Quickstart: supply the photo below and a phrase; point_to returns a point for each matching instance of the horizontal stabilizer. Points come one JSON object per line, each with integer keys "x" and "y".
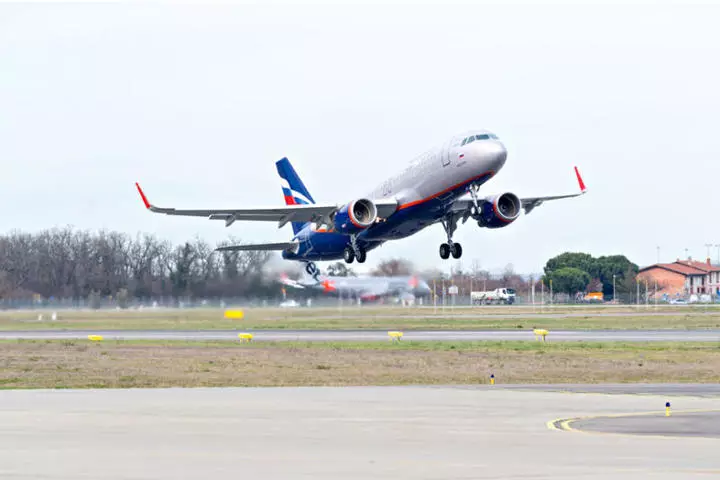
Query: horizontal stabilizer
{"x": 258, "y": 247}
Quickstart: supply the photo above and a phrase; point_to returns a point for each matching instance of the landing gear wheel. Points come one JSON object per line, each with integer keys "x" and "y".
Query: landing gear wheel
{"x": 360, "y": 255}
{"x": 444, "y": 251}
{"x": 456, "y": 250}
{"x": 348, "y": 255}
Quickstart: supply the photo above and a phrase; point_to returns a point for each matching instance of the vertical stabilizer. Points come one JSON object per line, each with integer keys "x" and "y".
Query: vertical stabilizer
{"x": 293, "y": 189}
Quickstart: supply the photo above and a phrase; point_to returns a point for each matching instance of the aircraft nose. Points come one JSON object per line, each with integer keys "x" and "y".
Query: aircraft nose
{"x": 496, "y": 154}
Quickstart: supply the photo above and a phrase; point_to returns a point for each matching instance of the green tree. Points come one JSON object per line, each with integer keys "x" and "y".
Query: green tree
{"x": 622, "y": 268}
{"x": 627, "y": 283}
{"x": 581, "y": 261}
{"x": 601, "y": 268}
{"x": 568, "y": 280}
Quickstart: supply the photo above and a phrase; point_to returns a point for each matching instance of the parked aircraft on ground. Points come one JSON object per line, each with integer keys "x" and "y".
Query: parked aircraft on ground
{"x": 440, "y": 186}
{"x": 363, "y": 287}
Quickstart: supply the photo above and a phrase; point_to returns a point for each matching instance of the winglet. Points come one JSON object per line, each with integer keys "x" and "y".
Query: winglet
{"x": 583, "y": 189}
{"x": 142, "y": 195}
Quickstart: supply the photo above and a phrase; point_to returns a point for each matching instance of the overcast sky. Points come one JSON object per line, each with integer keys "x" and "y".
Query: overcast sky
{"x": 198, "y": 102}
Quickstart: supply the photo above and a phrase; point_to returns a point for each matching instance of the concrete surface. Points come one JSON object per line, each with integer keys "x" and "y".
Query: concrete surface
{"x": 376, "y": 335}
{"x": 334, "y": 433}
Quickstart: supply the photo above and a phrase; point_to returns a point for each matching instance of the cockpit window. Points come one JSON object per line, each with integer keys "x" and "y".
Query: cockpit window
{"x": 482, "y": 136}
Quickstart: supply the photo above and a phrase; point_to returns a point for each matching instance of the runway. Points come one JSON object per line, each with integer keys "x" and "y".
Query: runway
{"x": 373, "y": 335}
{"x": 330, "y": 433}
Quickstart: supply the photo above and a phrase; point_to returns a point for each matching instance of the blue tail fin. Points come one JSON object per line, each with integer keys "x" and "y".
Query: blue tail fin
{"x": 293, "y": 189}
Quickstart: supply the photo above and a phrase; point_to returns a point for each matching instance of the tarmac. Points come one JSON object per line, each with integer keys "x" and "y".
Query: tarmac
{"x": 374, "y": 335}
{"x": 683, "y": 424}
{"x": 438, "y": 432}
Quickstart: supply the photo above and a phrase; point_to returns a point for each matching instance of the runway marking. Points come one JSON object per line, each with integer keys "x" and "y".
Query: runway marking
{"x": 564, "y": 424}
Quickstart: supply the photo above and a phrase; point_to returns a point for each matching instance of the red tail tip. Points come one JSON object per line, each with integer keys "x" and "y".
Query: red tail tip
{"x": 142, "y": 195}
{"x": 580, "y": 180}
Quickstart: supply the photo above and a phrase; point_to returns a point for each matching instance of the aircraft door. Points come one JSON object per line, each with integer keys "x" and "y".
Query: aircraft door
{"x": 445, "y": 154}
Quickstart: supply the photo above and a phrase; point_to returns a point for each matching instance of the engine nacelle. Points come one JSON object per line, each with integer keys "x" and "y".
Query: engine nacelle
{"x": 355, "y": 216}
{"x": 499, "y": 211}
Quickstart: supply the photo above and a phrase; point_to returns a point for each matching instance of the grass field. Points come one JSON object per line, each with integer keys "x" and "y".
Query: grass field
{"x": 461, "y": 318}
{"x": 82, "y": 364}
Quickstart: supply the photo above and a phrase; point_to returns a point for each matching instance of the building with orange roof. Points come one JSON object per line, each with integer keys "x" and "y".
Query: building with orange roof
{"x": 682, "y": 278}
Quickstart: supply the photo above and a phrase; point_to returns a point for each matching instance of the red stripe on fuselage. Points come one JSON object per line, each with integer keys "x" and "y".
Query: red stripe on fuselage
{"x": 418, "y": 202}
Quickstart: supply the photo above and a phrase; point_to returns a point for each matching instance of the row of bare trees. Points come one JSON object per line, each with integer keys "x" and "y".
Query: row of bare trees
{"x": 68, "y": 263}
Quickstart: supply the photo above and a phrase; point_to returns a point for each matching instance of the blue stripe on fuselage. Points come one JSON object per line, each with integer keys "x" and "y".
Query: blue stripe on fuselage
{"x": 407, "y": 221}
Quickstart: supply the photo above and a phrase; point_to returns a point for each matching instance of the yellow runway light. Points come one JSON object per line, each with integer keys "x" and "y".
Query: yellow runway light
{"x": 234, "y": 314}
{"x": 395, "y": 336}
{"x": 540, "y": 332}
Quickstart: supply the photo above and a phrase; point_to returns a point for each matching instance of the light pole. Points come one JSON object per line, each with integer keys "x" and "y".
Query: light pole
{"x": 614, "y": 297}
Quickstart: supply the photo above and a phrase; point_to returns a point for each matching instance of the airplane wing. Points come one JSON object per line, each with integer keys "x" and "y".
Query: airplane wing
{"x": 465, "y": 202}
{"x": 282, "y": 214}
{"x": 530, "y": 203}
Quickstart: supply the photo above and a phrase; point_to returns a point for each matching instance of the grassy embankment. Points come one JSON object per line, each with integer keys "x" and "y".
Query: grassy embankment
{"x": 83, "y": 364}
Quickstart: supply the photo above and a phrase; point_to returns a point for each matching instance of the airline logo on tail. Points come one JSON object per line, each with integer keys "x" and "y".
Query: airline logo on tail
{"x": 293, "y": 188}
{"x": 293, "y": 197}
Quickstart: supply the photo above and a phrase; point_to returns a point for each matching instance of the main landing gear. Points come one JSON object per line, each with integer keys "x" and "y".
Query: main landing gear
{"x": 450, "y": 248}
{"x": 354, "y": 252}
{"x": 447, "y": 249}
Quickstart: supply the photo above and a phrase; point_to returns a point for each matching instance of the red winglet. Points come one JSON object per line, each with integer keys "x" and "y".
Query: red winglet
{"x": 580, "y": 180}
{"x": 142, "y": 195}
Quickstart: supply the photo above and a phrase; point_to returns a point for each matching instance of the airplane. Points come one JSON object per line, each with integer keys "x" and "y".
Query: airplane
{"x": 441, "y": 186}
{"x": 365, "y": 288}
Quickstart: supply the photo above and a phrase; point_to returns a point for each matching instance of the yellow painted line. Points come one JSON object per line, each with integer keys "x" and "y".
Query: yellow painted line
{"x": 564, "y": 424}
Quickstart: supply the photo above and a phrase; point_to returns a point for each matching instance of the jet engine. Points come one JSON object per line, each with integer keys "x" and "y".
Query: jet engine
{"x": 355, "y": 216}
{"x": 499, "y": 211}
